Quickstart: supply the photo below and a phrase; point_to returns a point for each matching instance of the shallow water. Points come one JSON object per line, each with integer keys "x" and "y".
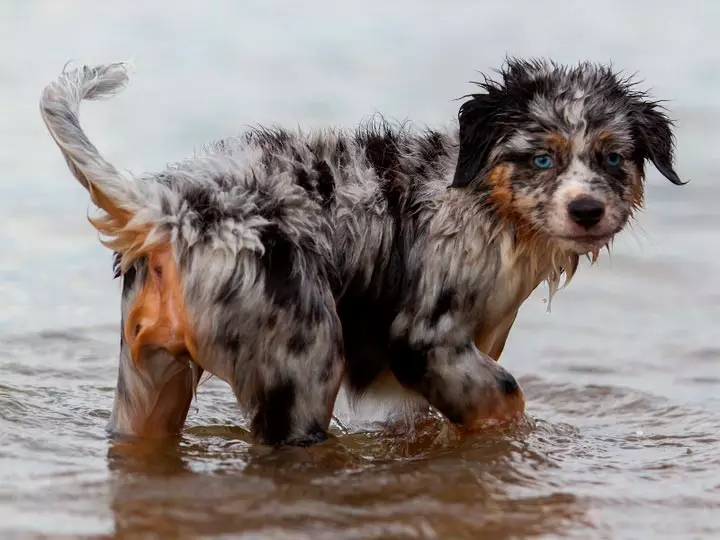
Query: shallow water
{"x": 621, "y": 379}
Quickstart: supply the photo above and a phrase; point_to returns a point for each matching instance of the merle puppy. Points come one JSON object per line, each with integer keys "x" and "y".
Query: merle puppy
{"x": 286, "y": 262}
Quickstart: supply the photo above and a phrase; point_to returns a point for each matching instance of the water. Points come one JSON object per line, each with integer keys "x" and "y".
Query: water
{"x": 621, "y": 379}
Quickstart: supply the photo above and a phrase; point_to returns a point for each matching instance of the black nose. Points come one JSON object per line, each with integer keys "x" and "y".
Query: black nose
{"x": 586, "y": 212}
{"x": 507, "y": 383}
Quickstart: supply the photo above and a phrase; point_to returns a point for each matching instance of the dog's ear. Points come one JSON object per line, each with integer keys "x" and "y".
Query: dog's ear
{"x": 479, "y": 131}
{"x": 654, "y": 139}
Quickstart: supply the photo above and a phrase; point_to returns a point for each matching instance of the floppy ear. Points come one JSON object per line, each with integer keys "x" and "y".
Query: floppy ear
{"x": 479, "y": 131}
{"x": 655, "y": 140}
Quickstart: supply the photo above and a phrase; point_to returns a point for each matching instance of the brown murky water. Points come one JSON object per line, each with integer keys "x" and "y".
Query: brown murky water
{"x": 622, "y": 379}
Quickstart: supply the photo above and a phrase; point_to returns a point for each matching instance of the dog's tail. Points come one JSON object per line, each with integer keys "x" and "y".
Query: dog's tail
{"x": 125, "y": 228}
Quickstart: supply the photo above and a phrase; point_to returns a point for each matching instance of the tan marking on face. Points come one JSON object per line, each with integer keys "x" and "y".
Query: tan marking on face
{"x": 559, "y": 144}
{"x": 603, "y": 141}
{"x": 157, "y": 317}
{"x": 512, "y": 207}
{"x": 500, "y": 192}
{"x": 605, "y": 136}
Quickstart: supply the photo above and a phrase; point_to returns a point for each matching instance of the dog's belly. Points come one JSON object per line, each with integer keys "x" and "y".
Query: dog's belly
{"x": 366, "y": 314}
{"x": 365, "y": 336}
{"x": 384, "y": 400}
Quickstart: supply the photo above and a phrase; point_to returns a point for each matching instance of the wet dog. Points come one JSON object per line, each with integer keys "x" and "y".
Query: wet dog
{"x": 286, "y": 263}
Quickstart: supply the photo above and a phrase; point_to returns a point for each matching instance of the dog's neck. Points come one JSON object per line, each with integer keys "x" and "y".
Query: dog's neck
{"x": 506, "y": 266}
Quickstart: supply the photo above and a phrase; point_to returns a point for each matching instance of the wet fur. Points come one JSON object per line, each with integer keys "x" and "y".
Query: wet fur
{"x": 311, "y": 257}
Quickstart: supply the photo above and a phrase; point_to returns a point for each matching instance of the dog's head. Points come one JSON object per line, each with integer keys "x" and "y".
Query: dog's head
{"x": 560, "y": 151}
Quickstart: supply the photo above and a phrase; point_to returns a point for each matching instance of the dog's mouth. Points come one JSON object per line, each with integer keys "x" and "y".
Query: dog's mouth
{"x": 587, "y": 243}
{"x": 590, "y": 239}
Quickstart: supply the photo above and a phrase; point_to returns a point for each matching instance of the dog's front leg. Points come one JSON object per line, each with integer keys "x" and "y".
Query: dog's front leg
{"x": 464, "y": 384}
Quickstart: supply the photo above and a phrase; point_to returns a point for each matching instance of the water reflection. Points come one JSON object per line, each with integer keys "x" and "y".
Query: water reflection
{"x": 387, "y": 485}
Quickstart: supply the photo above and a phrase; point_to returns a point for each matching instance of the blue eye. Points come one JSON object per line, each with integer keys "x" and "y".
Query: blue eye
{"x": 543, "y": 162}
{"x": 613, "y": 159}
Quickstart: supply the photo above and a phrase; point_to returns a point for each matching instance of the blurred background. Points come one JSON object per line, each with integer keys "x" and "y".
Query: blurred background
{"x": 621, "y": 379}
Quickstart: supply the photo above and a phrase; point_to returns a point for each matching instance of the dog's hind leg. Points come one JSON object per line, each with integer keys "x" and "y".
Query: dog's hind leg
{"x": 156, "y": 382}
{"x": 297, "y": 382}
{"x": 276, "y": 338}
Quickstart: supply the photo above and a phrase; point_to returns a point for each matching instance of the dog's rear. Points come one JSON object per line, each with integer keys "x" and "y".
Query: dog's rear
{"x": 59, "y": 106}
{"x": 128, "y": 212}
{"x": 155, "y": 380}
{"x": 252, "y": 285}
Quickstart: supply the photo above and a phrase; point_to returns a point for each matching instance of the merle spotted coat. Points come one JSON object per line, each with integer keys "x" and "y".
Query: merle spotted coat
{"x": 309, "y": 258}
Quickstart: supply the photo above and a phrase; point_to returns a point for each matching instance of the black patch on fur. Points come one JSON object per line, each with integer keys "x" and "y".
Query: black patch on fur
{"x": 443, "y": 305}
{"x": 227, "y": 292}
{"x": 282, "y": 284}
{"x": 340, "y": 154}
{"x": 408, "y": 364}
{"x": 128, "y": 279}
{"x": 366, "y": 314}
{"x": 367, "y": 309}
{"x": 335, "y": 358}
{"x": 273, "y": 421}
{"x": 303, "y": 179}
{"x": 325, "y": 181}
{"x": 229, "y": 334}
{"x": 200, "y": 200}
{"x": 483, "y": 120}
{"x": 507, "y": 383}
{"x": 652, "y": 131}
{"x": 365, "y": 337}
{"x": 394, "y": 197}
{"x": 298, "y": 344}
{"x": 432, "y": 148}
{"x": 381, "y": 150}
{"x": 318, "y": 182}
{"x": 329, "y": 365}
{"x": 269, "y": 138}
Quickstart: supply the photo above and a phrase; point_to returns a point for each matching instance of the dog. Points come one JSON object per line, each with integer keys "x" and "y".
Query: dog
{"x": 287, "y": 263}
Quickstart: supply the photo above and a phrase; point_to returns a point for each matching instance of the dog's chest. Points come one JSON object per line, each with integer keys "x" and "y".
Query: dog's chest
{"x": 516, "y": 279}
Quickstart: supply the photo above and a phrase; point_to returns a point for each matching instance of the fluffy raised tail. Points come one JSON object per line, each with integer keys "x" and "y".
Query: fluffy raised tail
{"x": 118, "y": 197}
